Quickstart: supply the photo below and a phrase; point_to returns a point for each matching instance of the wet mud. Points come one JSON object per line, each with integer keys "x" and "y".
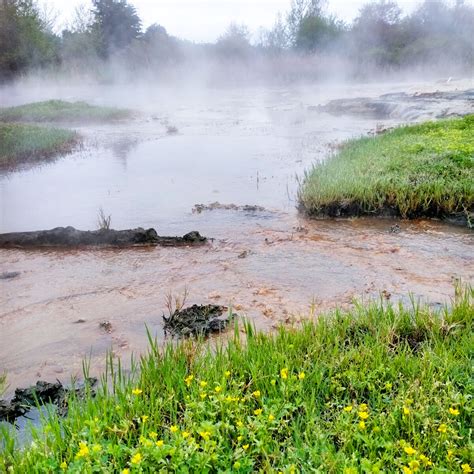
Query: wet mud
{"x": 43, "y": 393}
{"x": 198, "y": 320}
{"x": 273, "y": 267}
{"x": 64, "y": 237}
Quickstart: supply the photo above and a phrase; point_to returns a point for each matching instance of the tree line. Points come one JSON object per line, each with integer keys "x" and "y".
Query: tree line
{"x": 380, "y": 37}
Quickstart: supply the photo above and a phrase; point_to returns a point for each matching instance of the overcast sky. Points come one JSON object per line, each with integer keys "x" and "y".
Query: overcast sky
{"x": 206, "y": 20}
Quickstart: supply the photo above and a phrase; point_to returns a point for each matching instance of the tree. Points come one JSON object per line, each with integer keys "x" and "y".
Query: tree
{"x": 317, "y": 32}
{"x": 235, "y": 42}
{"x": 116, "y": 24}
{"x": 301, "y": 9}
{"x": 25, "y": 38}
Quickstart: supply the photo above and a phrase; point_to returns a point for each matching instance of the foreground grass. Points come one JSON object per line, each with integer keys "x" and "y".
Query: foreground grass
{"x": 414, "y": 171}
{"x": 61, "y": 111}
{"x": 27, "y": 143}
{"x": 375, "y": 390}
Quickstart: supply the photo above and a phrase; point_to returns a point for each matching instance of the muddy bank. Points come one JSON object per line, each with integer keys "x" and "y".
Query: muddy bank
{"x": 404, "y": 106}
{"x": 347, "y": 209}
{"x": 71, "y": 237}
{"x": 43, "y": 393}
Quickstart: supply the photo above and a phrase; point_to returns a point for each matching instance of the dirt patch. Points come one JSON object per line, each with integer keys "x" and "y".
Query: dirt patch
{"x": 42, "y": 393}
{"x": 198, "y": 320}
{"x": 71, "y": 237}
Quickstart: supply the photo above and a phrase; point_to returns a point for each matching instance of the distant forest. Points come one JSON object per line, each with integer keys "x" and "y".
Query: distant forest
{"x": 106, "y": 36}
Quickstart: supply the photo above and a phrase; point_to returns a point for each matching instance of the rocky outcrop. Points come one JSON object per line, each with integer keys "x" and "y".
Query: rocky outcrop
{"x": 71, "y": 237}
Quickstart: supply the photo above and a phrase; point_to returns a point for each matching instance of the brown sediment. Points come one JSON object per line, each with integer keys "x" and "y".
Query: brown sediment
{"x": 296, "y": 269}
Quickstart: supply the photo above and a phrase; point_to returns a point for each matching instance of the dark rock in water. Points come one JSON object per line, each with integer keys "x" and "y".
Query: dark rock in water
{"x": 71, "y": 237}
{"x": 42, "y": 393}
{"x": 9, "y": 275}
{"x": 198, "y": 320}
{"x": 395, "y": 229}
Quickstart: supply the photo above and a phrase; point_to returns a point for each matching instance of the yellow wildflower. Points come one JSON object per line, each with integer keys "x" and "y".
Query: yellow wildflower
{"x": 126, "y": 471}
{"x": 348, "y": 408}
{"x": 466, "y": 468}
{"x": 301, "y": 375}
{"x": 409, "y": 450}
{"x": 144, "y": 418}
{"x": 136, "y": 458}
{"x": 237, "y": 465}
{"x": 205, "y": 435}
{"x": 388, "y": 386}
{"x": 186, "y": 434}
{"x": 159, "y": 443}
{"x": 97, "y": 448}
{"x": 414, "y": 465}
{"x": 227, "y": 373}
{"x": 284, "y": 373}
{"x": 189, "y": 379}
{"x": 218, "y": 389}
{"x": 449, "y": 454}
{"x": 273, "y": 382}
{"x": 406, "y": 410}
{"x": 258, "y": 411}
{"x": 454, "y": 411}
{"x": 407, "y": 470}
{"x": 363, "y": 407}
{"x": 239, "y": 424}
{"x": 442, "y": 428}
{"x": 63, "y": 465}
{"x": 174, "y": 428}
{"x": 153, "y": 435}
{"x": 271, "y": 417}
{"x": 240, "y": 438}
{"x": 256, "y": 394}
{"x": 425, "y": 460}
{"x": 137, "y": 391}
{"x": 203, "y": 383}
{"x": 203, "y": 395}
{"x": 246, "y": 446}
{"x": 363, "y": 414}
{"x": 362, "y": 425}
{"x": 83, "y": 450}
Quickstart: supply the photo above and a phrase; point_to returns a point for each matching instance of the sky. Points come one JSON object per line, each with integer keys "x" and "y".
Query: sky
{"x": 206, "y": 20}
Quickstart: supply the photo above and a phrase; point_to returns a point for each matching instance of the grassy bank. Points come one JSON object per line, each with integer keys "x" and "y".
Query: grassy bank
{"x": 375, "y": 390}
{"x": 27, "y": 143}
{"x": 61, "y": 111}
{"x": 424, "y": 170}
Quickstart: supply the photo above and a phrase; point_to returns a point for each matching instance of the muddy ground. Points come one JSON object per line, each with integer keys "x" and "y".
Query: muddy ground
{"x": 266, "y": 262}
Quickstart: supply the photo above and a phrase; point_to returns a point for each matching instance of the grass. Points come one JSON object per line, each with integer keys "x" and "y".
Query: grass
{"x": 61, "y": 111}
{"x": 378, "y": 389}
{"x": 415, "y": 171}
{"x": 21, "y": 143}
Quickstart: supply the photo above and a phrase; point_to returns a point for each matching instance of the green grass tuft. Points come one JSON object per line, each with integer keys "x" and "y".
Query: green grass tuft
{"x": 424, "y": 170}
{"x": 378, "y": 389}
{"x": 27, "y": 143}
{"x": 61, "y": 111}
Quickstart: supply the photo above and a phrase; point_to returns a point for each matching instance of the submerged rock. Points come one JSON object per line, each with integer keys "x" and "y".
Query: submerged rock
{"x": 198, "y": 208}
{"x": 71, "y": 237}
{"x": 42, "y": 393}
{"x": 9, "y": 275}
{"x": 198, "y": 320}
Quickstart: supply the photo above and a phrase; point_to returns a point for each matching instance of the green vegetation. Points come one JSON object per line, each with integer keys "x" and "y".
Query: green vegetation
{"x": 378, "y": 389}
{"x": 61, "y": 111}
{"x": 25, "y": 143}
{"x": 422, "y": 170}
{"x": 3, "y": 384}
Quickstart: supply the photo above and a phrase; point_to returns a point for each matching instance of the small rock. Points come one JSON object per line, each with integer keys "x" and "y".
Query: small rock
{"x": 9, "y": 275}
{"x": 80, "y": 321}
{"x": 395, "y": 229}
{"x": 106, "y": 326}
